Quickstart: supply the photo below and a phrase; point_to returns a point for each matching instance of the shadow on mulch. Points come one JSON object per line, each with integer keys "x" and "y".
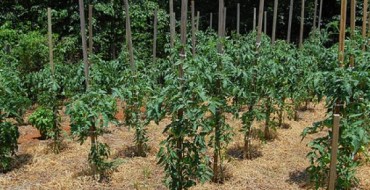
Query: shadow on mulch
{"x": 18, "y": 162}
{"x": 286, "y": 126}
{"x": 130, "y": 152}
{"x": 238, "y": 153}
{"x": 298, "y": 177}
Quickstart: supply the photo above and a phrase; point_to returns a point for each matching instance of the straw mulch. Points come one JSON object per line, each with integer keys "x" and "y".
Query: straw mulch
{"x": 277, "y": 164}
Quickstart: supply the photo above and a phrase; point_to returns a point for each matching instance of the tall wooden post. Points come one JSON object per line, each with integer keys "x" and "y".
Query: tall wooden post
{"x": 224, "y": 24}
{"x": 84, "y": 45}
{"x": 320, "y": 15}
{"x": 265, "y": 23}
{"x": 50, "y": 40}
{"x": 302, "y": 25}
{"x": 198, "y": 18}
{"x": 334, "y": 152}
{"x": 238, "y": 19}
{"x": 364, "y": 22}
{"x": 155, "y": 36}
{"x": 129, "y": 36}
{"x": 290, "y": 20}
{"x": 211, "y": 21}
{"x": 193, "y": 27}
{"x": 260, "y": 17}
{"x": 274, "y": 21}
{"x": 172, "y": 26}
{"x": 314, "y": 16}
{"x": 353, "y": 26}
{"x": 91, "y": 41}
{"x": 220, "y": 23}
{"x": 254, "y": 18}
{"x": 342, "y": 32}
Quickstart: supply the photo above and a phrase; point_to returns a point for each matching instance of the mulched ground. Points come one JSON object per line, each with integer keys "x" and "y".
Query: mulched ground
{"x": 278, "y": 164}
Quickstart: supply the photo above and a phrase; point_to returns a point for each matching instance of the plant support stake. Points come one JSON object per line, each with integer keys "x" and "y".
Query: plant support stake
{"x": 254, "y": 19}
{"x": 155, "y": 37}
{"x": 290, "y": 20}
{"x": 334, "y": 151}
{"x": 238, "y": 19}
{"x": 90, "y": 30}
{"x": 129, "y": 36}
{"x": 353, "y": 27}
{"x": 274, "y": 21}
{"x": 50, "y": 40}
{"x": 314, "y": 16}
{"x": 84, "y": 46}
{"x": 364, "y": 22}
{"x": 302, "y": 25}
{"x": 320, "y": 15}
{"x": 193, "y": 27}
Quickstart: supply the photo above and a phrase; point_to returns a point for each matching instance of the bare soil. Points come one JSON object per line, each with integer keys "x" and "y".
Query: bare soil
{"x": 277, "y": 164}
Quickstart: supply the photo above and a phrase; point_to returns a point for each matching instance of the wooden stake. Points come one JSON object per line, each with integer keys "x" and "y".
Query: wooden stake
{"x": 353, "y": 27}
{"x": 260, "y": 17}
{"x": 254, "y": 18}
{"x": 290, "y": 20}
{"x": 193, "y": 27}
{"x": 172, "y": 26}
{"x": 368, "y": 34}
{"x": 50, "y": 39}
{"x": 334, "y": 151}
{"x": 90, "y": 30}
{"x": 84, "y": 46}
{"x": 224, "y": 24}
{"x": 265, "y": 23}
{"x": 320, "y": 15}
{"x": 238, "y": 19}
{"x": 129, "y": 36}
{"x": 314, "y": 16}
{"x": 198, "y": 18}
{"x": 211, "y": 21}
{"x": 302, "y": 25}
{"x": 220, "y": 24}
{"x": 274, "y": 21}
{"x": 364, "y": 22}
{"x": 342, "y": 32}
{"x": 155, "y": 36}
{"x": 184, "y": 11}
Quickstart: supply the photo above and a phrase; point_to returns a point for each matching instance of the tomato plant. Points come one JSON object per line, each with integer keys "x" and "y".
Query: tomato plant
{"x": 91, "y": 113}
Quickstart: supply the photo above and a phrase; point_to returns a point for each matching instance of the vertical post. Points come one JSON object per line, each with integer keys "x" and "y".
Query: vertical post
{"x": 368, "y": 34}
{"x": 220, "y": 23}
{"x": 290, "y": 20}
{"x": 84, "y": 46}
{"x": 364, "y": 22}
{"x": 50, "y": 40}
{"x": 238, "y": 19}
{"x": 172, "y": 26}
{"x": 155, "y": 37}
{"x": 211, "y": 21}
{"x": 342, "y": 32}
{"x": 265, "y": 23}
{"x": 193, "y": 27}
{"x": 90, "y": 30}
{"x": 254, "y": 18}
{"x": 320, "y": 15}
{"x": 314, "y": 16}
{"x": 274, "y": 21}
{"x": 260, "y": 17}
{"x": 334, "y": 151}
{"x": 353, "y": 26}
{"x": 224, "y": 24}
{"x": 129, "y": 36}
{"x": 302, "y": 25}
{"x": 198, "y": 18}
